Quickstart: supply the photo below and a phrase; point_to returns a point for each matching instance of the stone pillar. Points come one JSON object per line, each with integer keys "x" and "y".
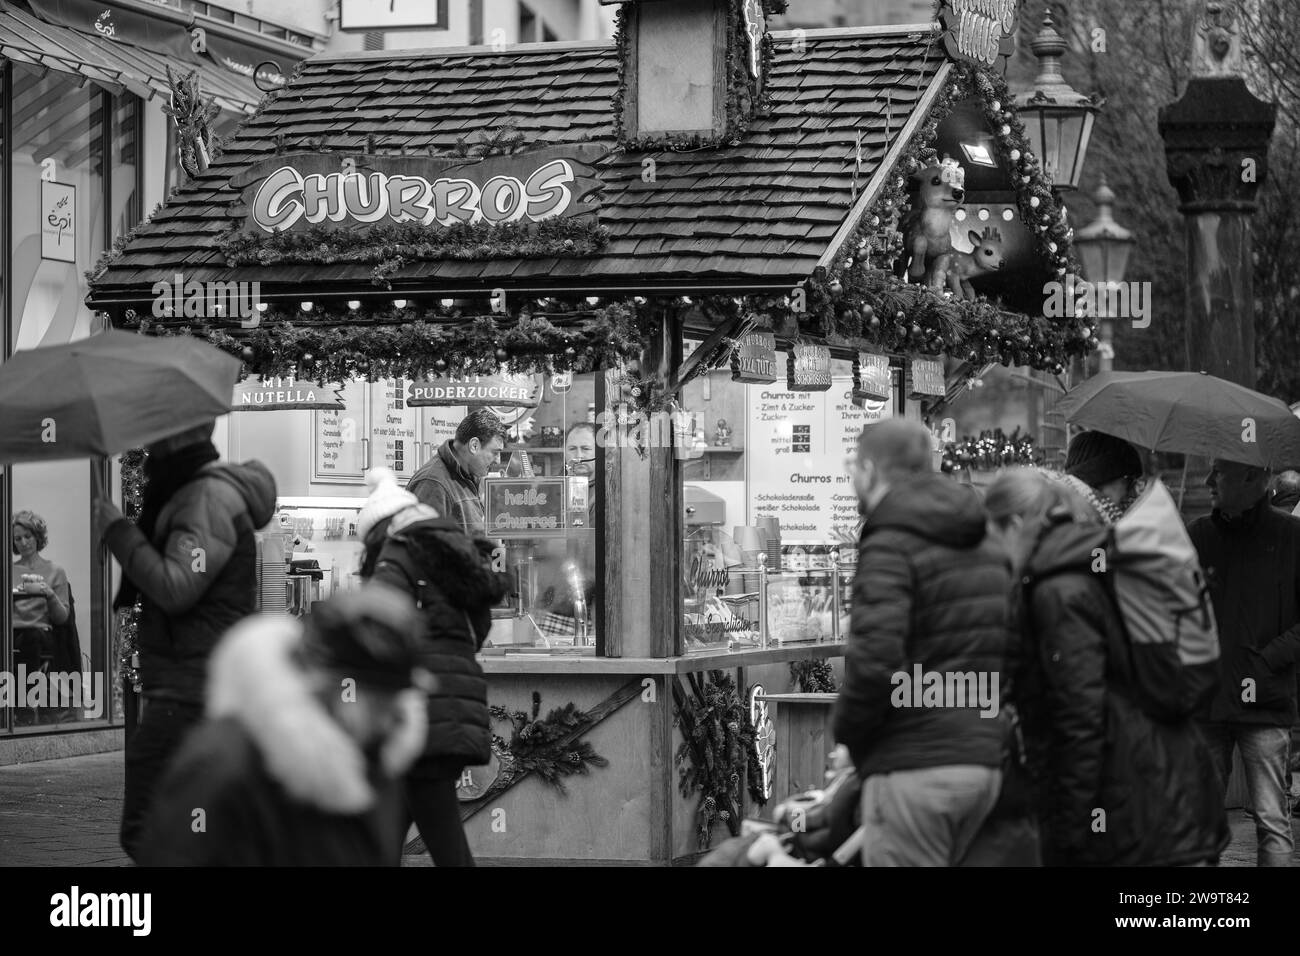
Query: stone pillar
{"x": 1216, "y": 147}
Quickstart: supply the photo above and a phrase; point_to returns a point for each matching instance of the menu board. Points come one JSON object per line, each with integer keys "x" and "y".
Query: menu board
{"x": 340, "y": 438}
{"x": 794, "y": 460}
{"x": 393, "y": 428}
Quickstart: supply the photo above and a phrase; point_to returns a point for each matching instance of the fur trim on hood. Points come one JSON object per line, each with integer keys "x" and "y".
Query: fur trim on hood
{"x": 255, "y": 678}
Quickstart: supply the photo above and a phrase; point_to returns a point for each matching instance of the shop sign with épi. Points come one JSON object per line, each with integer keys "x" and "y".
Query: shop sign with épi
{"x": 872, "y": 378}
{"x": 504, "y": 390}
{"x": 979, "y": 31}
{"x": 808, "y": 368}
{"x": 526, "y": 507}
{"x": 754, "y": 360}
{"x": 927, "y": 378}
{"x": 352, "y": 193}
{"x": 277, "y": 394}
{"x": 58, "y": 221}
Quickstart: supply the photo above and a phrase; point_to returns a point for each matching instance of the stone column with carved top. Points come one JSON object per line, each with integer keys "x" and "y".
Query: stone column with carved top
{"x": 1216, "y": 148}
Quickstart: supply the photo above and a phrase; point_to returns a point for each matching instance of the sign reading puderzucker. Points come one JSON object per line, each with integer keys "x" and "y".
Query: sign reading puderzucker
{"x": 338, "y": 191}
{"x": 504, "y": 389}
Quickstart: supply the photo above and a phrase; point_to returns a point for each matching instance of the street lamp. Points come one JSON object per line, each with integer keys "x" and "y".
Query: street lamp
{"x": 1058, "y": 119}
{"x": 1104, "y": 246}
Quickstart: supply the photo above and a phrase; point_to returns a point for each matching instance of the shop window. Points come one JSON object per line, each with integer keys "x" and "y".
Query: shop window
{"x": 541, "y": 499}
{"x": 770, "y": 509}
{"x": 74, "y": 167}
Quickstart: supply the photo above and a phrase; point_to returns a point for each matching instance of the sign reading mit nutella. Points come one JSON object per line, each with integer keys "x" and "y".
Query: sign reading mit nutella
{"x": 335, "y": 190}
{"x": 501, "y": 390}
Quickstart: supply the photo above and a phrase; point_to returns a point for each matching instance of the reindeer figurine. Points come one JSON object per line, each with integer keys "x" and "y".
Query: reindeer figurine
{"x": 958, "y": 268}
{"x": 927, "y": 228}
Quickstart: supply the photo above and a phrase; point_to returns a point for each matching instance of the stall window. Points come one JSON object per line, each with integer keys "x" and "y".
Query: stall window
{"x": 770, "y": 509}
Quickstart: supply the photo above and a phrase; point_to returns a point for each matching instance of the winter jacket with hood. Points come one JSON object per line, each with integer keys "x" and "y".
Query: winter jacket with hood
{"x": 445, "y": 485}
{"x": 198, "y": 575}
{"x": 1253, "y": 565}
{"x": 279, "y": 781}
{"x": 1091, "y": 747}
{"x": 930, "y": 590}
{"x": 451, "y": 578}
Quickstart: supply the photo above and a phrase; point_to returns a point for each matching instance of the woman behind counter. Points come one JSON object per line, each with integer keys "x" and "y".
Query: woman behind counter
{"x": 41, "y": 599}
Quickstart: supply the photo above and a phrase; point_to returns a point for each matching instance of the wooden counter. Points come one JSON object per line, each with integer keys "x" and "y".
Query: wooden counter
{"x": 687, "y": 664}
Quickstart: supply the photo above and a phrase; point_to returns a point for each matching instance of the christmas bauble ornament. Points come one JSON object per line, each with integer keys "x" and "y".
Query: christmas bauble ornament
{"x": 996, "y": 106}
{"x": 502, "y": 355}
{"x": 246, "y": 354}
{"x": 1005, "y": 130}
{"x": 308, "y": 357}
{"x": 1034, "y": 202}
{"x": 1015, "y": 155}
{"x": 875, "y": 321}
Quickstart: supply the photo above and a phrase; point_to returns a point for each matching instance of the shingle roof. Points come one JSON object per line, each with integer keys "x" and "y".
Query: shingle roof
{"x": 758, "y": 212}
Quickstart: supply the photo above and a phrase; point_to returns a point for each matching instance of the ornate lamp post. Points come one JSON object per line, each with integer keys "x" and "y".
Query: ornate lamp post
{"x": 1104, "y": 246}
{"x": 1058, "y": 119}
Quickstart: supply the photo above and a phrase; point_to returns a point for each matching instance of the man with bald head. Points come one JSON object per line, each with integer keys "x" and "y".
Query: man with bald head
{"x": 930, "y": 597}
{"x": 1251, "y": 555}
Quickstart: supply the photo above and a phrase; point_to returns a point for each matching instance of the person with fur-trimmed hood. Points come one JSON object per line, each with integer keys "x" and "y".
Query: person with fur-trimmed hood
{"x": 449, "y": 575}
{"x": 307, "y": 735}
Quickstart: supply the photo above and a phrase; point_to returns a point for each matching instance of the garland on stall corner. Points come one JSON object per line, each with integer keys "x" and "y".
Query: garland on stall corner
{"x": 538, "y": 745}
{"x": 330, "y": 343}
{"x": 990, "y": 451}
{"x": 392, "y": 247}
{"x": 718, "y": 750}
{"x": 743, "y": 97}
{"x": 861, "y": 297}
{"x": 131, "y": 470}
{"x": 813, "y": 676}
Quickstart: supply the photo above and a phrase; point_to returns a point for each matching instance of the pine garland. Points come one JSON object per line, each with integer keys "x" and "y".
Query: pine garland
{"x": 537, "y": 745}
{"x": 718, "y": 750}
{"x": 394, "y": 246}
{"x": 331, "y": 343}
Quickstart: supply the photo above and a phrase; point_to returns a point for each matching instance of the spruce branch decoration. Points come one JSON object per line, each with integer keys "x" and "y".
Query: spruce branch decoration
{"x": 537, "y": 745}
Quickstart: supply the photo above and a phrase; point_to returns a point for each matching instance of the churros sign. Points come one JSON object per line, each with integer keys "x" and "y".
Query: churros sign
{"x": 355, "y": 192}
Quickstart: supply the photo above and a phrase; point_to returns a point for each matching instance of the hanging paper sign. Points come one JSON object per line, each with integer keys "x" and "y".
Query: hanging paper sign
{"x": 754, "y": 360}
{"x": 979, "y": 31}
{"x": 473, "y": 782}
{"x": 275, "y": 394}
{"x": 872, "y": 379}
{"x": 808, "y": 368}
{"x": 356, "y": 193}
{"x": 505, "y": 390}
{"x": 58, "y": 221}
{"x": 927, "y": 378}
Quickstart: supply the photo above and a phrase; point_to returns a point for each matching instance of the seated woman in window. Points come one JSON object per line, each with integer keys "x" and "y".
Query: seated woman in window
{"x": 41, "y": 600}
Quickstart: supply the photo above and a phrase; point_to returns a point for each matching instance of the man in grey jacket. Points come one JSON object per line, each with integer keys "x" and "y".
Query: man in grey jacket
{"x": 451, "y": 481}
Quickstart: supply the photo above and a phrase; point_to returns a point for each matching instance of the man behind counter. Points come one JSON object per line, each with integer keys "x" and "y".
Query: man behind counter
{"x": 451, "y": 483}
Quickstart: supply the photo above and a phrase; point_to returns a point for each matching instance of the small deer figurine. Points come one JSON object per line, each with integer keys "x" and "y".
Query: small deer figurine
{"x": 956, "y": 269}
{"x": 927, "y": 228}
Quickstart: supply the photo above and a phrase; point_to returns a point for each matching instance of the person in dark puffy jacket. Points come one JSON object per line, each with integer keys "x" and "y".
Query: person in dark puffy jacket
{"x": 1114, "y": 787}
{"x": 449, "y": 574}
{"x": 918, "y": 710}
{"x": 192, "y": 561}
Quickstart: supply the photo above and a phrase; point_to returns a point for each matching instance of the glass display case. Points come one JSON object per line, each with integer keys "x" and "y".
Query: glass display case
{"x": 547, "y": 543}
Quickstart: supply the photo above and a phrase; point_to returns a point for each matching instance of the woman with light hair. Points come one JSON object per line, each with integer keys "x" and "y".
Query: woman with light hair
{"x": 41, "y": 599}
{"x": 1113, "y": 786}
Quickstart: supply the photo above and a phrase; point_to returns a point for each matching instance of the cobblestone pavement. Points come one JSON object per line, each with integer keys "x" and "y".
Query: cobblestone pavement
{"x": 65, "y": 813}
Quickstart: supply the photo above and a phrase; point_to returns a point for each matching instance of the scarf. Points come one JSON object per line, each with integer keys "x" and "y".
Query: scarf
{"x": 1107, "y": 510}
{"x": 163, "y": 477}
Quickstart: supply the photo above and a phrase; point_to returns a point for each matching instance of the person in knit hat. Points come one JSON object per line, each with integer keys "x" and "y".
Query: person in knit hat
{"x": 1106, "y": 471}
{"x": 449, "y": 576}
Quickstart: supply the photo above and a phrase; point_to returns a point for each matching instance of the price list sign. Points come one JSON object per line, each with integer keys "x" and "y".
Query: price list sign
{"x": 339, "y": 446}
{"x": 393, "y": 427}
{"x": 794, "y": 461}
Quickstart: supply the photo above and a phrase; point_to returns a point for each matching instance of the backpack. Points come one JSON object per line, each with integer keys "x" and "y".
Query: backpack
{"x": 1154, "y": 575}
